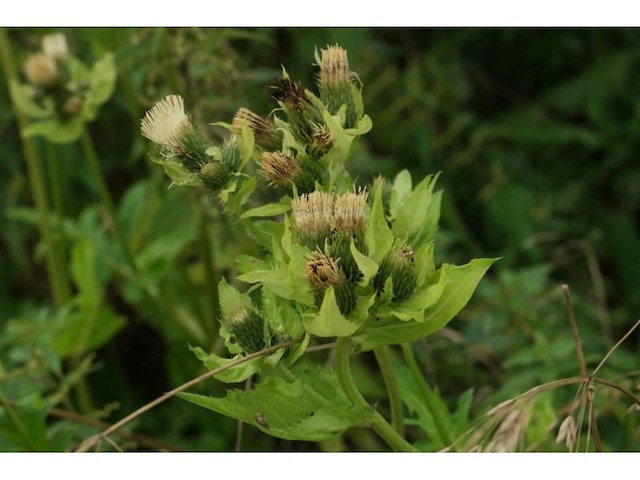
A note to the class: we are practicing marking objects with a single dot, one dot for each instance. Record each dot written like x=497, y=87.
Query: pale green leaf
x=310, y=407
x=462, y=283
x=270, y=209
x=368, y=267
x=378, y=236
x=329, y=322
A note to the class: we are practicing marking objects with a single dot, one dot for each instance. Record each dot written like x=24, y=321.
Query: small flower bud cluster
x=322, y=221
x=47, y=71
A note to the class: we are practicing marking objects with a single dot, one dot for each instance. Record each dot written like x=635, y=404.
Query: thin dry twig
x=612, y=349
x=91, y=441
x=574, y=329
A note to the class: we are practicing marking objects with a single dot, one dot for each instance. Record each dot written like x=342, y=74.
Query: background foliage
x=536, y=133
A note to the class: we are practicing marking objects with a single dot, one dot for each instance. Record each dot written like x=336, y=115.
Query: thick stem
x=378, y=423
x=56, y=272
x=427, y=395
x=393, y=391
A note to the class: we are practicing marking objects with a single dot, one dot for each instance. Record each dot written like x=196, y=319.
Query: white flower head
x=40, y=70
x=167, y=123
x=55, y=47
x=313, y=214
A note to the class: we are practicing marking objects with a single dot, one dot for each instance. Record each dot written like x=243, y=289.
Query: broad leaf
x=311, y=407
x=461, y=285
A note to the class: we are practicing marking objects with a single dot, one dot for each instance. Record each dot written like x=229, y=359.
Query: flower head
x=55, y=47
x=40, y=70
x=246, y=327
x=348, y=213
x=322, y=271
x=279, y=168
x=313, y=213
x=399, y=265
x=334, y=66
x=166, y=124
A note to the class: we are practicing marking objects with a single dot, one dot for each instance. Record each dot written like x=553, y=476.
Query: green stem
x=211, y=278
x=378, y=423
x=393, y=391
x=427, y=395
x=105, y=195
x=15, y=420
x=56, y=272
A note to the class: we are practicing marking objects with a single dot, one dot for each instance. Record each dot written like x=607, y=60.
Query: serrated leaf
x=462, y=283
x=235, y=374
x=378, y=236
x=236, y=201
x=179, y=175
x=329, y=322
x=311, y=407
x=231, y=300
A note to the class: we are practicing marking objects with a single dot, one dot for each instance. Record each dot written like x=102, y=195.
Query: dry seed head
x=567, y=432
x=55, y=47
x=264, y=131
x=279, y=168
x=506, y=437
x=313, y=214
x=323, y=271
x=40, y=70
x=348, y=213
x=167, y=123
x=334, y=66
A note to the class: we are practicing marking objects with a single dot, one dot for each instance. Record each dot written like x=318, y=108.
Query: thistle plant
x=339, y=260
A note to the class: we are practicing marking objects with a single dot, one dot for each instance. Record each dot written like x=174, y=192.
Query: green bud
x=214, y=175
x=247, y=329
x=399, y=265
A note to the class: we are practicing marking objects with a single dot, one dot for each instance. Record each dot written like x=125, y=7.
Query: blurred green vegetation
x=536, y=133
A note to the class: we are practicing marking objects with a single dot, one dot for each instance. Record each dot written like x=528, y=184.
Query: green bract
x=337, y=261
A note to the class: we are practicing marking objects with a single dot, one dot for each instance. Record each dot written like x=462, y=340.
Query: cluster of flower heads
x=289, y=156
x=48, y=73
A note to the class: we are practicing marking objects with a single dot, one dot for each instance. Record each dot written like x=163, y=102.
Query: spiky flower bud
x=313, y=214
x=264, y=131
x=322, y=140
x=334, y=83
x=323, y=272
x=40, y=70
x=247, y=329
x=303, y=114
x=399, y=265
x=214, y=175
x=334, y=67
x=282, y=170
x=55, y=47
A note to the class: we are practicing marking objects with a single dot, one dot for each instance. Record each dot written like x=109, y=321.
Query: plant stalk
x=393, y=391
x=378, y=423
x=427, y=395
